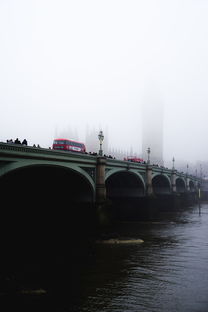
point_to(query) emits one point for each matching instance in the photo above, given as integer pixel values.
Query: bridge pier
(187, 184)
(149, 180)
(102, 205)
(173, 181)
(100, 180)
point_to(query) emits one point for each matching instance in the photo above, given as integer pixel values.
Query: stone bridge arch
(192, 186)
(124, 183)
(28, 176)
(161, 184)
(180, 185)
(46, 208)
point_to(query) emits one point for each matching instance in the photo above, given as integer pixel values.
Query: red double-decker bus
(69, 145)
(134, 159)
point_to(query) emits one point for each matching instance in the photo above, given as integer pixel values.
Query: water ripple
(168, 272)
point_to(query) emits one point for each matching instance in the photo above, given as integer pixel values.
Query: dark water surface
(168, 272)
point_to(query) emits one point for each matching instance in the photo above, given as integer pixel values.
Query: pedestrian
(24, 142)
(17, 141)
(10, 141)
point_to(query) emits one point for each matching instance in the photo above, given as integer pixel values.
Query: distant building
(67, 133)
(152, 129)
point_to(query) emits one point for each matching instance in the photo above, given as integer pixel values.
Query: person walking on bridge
(17, 141)
(24, 142)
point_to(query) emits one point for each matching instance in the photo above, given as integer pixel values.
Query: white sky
(77, 63)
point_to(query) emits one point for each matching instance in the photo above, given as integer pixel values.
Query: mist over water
(77, 65)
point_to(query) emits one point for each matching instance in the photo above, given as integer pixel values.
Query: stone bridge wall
(133, 179)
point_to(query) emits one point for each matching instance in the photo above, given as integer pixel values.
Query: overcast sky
(78, 63)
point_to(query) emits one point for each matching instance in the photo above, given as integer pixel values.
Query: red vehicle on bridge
(69, 145)
(134, 159)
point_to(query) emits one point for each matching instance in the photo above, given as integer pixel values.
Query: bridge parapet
(13, 156)
(26, 152)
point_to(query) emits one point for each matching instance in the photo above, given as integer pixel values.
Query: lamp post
(201, 172)
(101, 138)
(173, 160)
(173, 177)
(148, 155)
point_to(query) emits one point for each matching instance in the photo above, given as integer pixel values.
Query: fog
(82, 65)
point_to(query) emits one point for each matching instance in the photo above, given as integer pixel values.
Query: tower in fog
(152, 127)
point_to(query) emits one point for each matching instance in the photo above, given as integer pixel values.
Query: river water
(167, 272)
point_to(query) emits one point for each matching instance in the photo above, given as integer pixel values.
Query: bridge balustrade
(102, 174)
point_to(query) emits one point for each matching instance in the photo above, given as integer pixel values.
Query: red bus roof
(133, 157)
(68, 140)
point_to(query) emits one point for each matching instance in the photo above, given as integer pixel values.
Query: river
(167, 272)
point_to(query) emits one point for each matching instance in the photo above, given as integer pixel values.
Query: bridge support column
(187, 184)
(100, 180)
(173, 181)
(103, 209)
(149, 180)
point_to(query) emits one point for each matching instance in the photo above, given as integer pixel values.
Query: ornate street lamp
(187, 171)
(201, 172)
(101, 138)
(148, 155)
(173, 160)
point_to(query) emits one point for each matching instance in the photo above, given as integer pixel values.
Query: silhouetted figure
(10, 141)
(17, 141)
(24, 142)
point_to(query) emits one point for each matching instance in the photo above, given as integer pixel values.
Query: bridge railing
(6, 148)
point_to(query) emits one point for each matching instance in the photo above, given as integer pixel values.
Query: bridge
(27, 172)
(52, 202)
